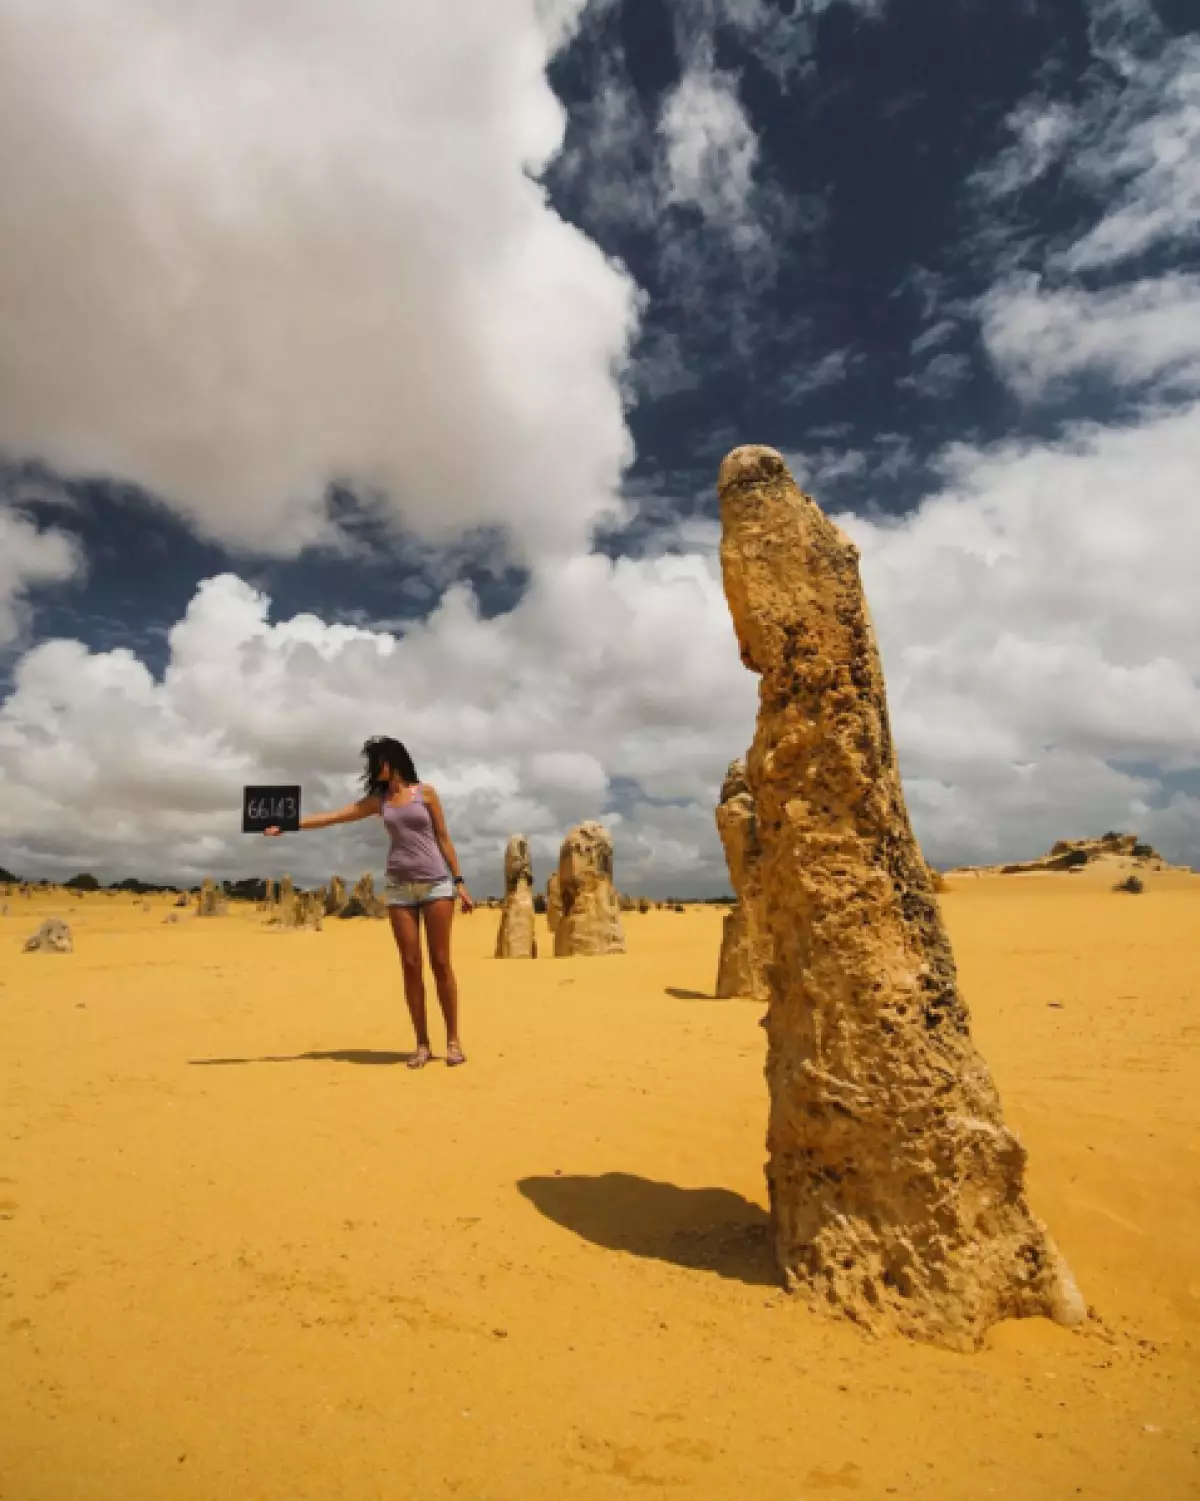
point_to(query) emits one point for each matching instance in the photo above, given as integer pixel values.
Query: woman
(422, 877)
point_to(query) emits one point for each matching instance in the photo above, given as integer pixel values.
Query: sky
(366, 370)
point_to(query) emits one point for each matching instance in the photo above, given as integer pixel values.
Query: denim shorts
(416, 893)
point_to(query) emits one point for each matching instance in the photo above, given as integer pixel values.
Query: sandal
(454, 1055)
(421, 1057)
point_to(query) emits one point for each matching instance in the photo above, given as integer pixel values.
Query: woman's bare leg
(406, 927)
(439, 920)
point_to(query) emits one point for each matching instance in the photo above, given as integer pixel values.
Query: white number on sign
(271, 807)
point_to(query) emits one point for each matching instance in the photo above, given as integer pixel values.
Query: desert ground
(245, 1253)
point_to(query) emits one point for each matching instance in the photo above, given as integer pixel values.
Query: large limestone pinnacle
(590, 924)
(515, 938)
(897, 1192)
(745, 946)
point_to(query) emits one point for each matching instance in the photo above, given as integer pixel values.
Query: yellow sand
(244, 1254)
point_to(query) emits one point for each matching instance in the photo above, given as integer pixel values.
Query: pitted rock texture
(590, 924)
(516, 938)
(897, 1192)
(553, 901)
(53, 937)
(745, 945)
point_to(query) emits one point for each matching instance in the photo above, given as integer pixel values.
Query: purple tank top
(414, 854)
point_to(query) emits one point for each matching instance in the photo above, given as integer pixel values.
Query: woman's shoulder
(427, 789)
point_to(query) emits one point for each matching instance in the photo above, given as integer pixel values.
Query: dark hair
(381, 749)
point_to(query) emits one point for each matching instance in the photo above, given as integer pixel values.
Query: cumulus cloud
(605, 672)
(1041, 634)
(29, 557)
(247, 249)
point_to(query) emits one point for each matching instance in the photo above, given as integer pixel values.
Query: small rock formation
(270, 896)
(745, 946)
(285, 892)
(335, 897)
(897, 1192)
(298, 910)
(209, 903)
(363, 901)
(182, 899)
(515, 938)
(1111, 851)
(53, 937)
(590, 924)
(643, 905)
(553, 901)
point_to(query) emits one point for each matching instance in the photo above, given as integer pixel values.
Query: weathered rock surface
(553, 901)
(515, 938)
(590, 924)
(745, 945)
(53, 937)
(335, 896)
(897, 1192)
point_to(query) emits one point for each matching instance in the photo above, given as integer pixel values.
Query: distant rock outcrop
(297, 911)
(1069, 855)
(516, 938)
(363, 901)
(209, 903)
(745, 943)
(335, 896)
(591, 916)
(897, 1192)
(53, 937)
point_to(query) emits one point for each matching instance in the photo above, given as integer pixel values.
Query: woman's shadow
(703, 1229)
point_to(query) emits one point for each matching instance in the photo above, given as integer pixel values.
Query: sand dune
(245, 1253)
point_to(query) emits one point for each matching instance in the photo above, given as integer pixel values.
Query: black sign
(270, 808)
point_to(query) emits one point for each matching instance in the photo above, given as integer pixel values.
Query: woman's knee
(443, 971)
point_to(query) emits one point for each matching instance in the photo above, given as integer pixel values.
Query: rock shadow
(681, 994)
(334, 1055)
(702, 1229)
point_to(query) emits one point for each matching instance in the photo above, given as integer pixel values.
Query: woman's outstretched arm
(365, 807)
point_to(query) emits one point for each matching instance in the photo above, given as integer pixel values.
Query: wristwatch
(458, 881)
